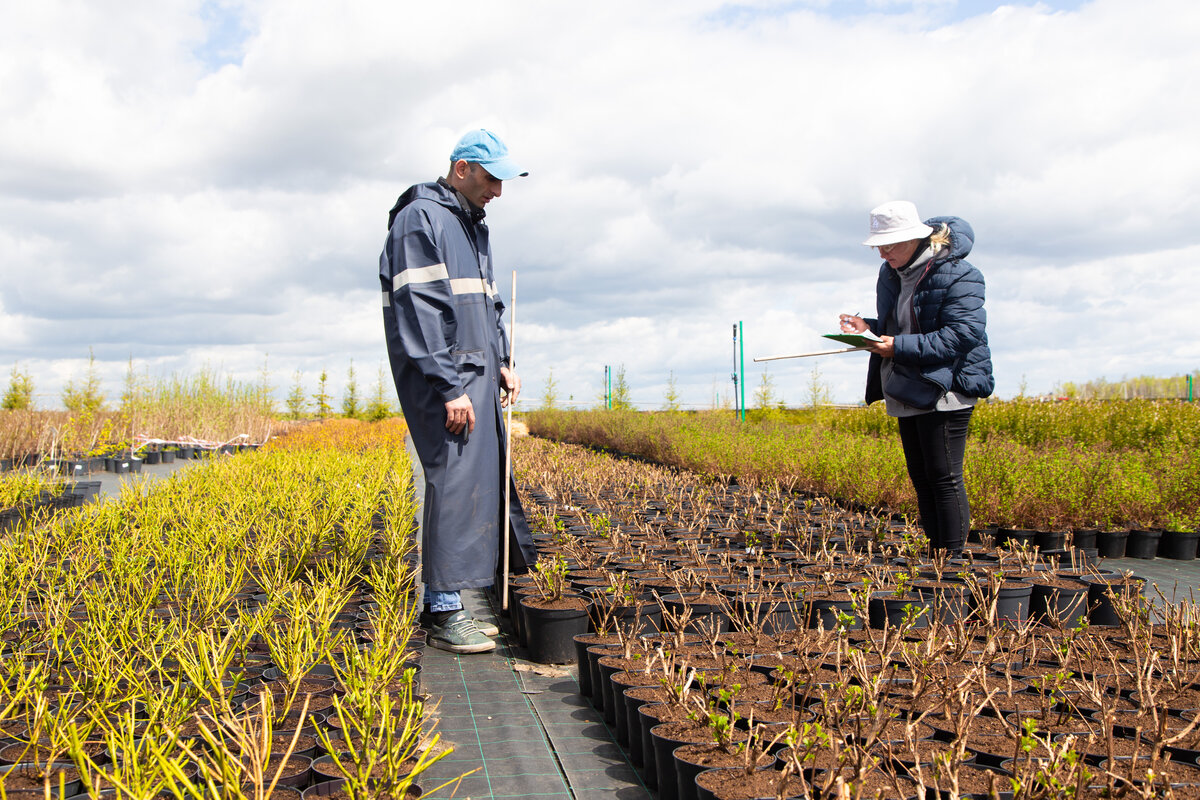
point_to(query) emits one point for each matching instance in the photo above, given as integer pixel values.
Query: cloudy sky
(198, 183)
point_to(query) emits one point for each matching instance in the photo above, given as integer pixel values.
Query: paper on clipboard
(854, 339)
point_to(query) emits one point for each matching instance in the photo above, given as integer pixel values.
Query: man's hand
(460, 415)
(511, 384)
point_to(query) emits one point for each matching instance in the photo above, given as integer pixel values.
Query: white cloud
(201, 183)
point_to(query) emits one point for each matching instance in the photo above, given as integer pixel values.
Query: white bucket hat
(895, 222)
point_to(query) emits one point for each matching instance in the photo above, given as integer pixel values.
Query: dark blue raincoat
(441, 316)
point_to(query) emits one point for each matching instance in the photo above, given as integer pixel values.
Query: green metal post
(742, 361)
(1189, 388)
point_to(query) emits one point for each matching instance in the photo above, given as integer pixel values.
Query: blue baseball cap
(484, 148)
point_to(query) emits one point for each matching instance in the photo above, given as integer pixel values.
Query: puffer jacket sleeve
(422, 303)
(960, 321)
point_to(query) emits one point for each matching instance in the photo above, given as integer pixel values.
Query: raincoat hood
(436, 191)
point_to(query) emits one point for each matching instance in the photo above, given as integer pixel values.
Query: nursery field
(792, 648)
(209, 635)
(1045, 466)
(246, 628)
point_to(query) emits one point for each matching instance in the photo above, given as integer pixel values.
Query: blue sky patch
(227, 33)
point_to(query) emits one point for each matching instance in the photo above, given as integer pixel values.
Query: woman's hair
(940, 238)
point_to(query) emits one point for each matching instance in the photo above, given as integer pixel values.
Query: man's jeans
(442, 601)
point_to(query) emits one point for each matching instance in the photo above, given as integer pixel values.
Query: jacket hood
(962, 236)
(434, 191)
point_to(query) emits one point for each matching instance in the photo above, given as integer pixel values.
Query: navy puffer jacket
(951, 348)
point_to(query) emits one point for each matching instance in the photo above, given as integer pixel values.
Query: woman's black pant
(933, 450)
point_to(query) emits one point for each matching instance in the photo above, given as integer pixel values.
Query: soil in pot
(296, 772)
(324, 768)
(736, 784)
(28, 777)
(692, 759)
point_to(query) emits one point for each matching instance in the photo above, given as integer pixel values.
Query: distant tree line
(84, 395)
(1145, 387)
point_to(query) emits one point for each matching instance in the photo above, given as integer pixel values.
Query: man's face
(476, 183)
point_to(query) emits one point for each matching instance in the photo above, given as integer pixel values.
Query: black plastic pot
(593, 655)
(948, 603)
(823, 612)
(615, 699)
(1142, 543)
(633, 724)
(1050, 540)
(1111, 544)
(886, 610)
(604, 689)
(1101, 610)
(1178, 545)
(1012, 603)
(664, 762)
(582, 643)
(1084, 539)
(1068, 605)
(550, 632)
(1017, 536)
(649, 762)
(705, 616)
(771, 613)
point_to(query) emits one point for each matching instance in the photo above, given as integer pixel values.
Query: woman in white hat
(932, 363)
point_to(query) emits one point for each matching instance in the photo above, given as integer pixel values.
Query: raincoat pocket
(469, 358)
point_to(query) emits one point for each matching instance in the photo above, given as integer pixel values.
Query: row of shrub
(1055, 484)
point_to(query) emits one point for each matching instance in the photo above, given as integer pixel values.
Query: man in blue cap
(450, 362)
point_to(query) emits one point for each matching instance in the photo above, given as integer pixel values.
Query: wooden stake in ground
(512, 366)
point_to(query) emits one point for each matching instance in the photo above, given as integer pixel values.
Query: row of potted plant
(711, 645)
(212, 635)
(1053, 485)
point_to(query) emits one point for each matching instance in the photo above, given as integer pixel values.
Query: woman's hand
(851, 323)
(886, 347)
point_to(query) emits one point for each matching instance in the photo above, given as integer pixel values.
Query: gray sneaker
(458, 634)
(484, 627)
